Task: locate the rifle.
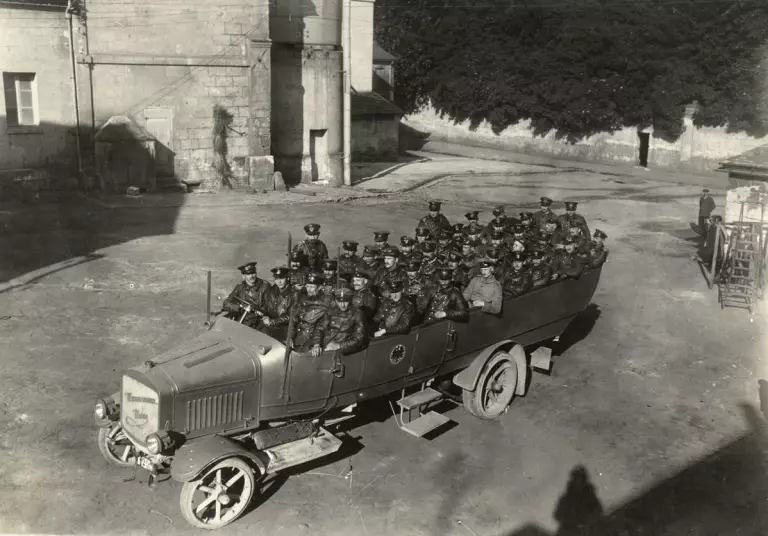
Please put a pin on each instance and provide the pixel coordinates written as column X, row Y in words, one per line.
column 338, row 268
column 287, row 358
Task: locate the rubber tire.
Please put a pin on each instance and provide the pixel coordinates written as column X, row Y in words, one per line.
column 473, row 399
column 188, row 490
column 103, row 432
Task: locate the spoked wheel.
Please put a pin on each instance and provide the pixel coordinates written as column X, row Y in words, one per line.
column 495, row 388
column 220, row 496
column 116, row 447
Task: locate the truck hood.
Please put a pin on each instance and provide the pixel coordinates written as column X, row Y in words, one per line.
column 227, row 353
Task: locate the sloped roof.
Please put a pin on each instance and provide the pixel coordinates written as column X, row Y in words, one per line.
column 371, row 103
column 754, row 159
column 121, row 128
column 379, row 54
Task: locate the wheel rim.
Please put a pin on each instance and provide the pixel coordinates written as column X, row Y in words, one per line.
column 498, row 388
column 221, row 495
column 119, row 447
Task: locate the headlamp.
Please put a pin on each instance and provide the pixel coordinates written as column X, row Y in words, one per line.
column 158, row 442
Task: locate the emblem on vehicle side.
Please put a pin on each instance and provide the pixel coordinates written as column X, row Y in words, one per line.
column 397, row 354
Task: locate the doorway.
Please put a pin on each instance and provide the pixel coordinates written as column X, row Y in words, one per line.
column 317, row 147
column 645, row 142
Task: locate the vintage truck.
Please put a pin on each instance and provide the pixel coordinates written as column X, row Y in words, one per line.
column 230, row 406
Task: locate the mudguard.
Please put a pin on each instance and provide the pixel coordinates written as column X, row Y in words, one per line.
column 467, row 378
column 193, row 458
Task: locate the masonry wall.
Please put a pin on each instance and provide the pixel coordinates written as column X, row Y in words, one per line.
column 361, row 46
column 38, row 42
column 697, row 149
column 375, row 138
column 169, row 66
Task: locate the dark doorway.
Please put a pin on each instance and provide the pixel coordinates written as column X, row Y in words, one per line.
column 645, row 141
column 316, row 145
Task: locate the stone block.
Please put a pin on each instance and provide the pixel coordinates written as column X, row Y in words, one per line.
column 260, row 172
column 278, row 182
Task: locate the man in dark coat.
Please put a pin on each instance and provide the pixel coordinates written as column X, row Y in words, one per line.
column 330, row 272
column 312, row 247
column 457, row 235
column 530, row 230
column 299, row 270
column 391, row 271
column 416, row 288
column 407, row 251
column 706, row 207
column 499, row 222
column 597, row 251
column 545, row 213
column 381, row 240
column 344, row 328
column 279, row 301
column 518, row 279
column 434, row 222
column 395, row 315
column 251, row 289
column 541, row 271
column 567, row 264
column 422, row 237
column 571, row 218
column 349, row 261
column 309, row 313
column 473, row 227
column 363, row 298
column 371, row 261
column 446, row 300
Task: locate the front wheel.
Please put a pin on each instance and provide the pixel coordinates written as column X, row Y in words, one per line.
column 220, row 496
column 495, row 388
column 115, row 446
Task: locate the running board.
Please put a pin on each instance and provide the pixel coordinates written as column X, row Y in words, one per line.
column 425, row 424
column 302, row 451
column 541, row 359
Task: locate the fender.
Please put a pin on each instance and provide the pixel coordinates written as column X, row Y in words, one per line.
column 199, row 454
column 467, row 378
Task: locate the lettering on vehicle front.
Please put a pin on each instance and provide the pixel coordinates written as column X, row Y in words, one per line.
column 144, row 399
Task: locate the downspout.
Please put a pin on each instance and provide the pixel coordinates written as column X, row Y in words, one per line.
column 346, row 49
column 70, row 7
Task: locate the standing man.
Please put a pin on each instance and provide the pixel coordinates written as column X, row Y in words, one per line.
column 545, row 213
column 371, row 261
column 381, row 240
column 252, row 289
column 434, row 222
column 312, row 247
column 395, row 315
column 706, row 207
column 407, row 252
column 485, row 290
column 571, row 218
column 279, row 300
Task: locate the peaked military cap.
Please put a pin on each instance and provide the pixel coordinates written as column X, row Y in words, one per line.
column 518, row 256
column 526, row 215
column 380, row 236
column 349, row 245
column 568, row 240
column 312, row 228
column 444, row 274
column 444, row 235
column 430, row 247
column 498, row 211
column 453, row 257
column 600, row 234
column 330, row 265
column 472, row 216
column 493, row 254
column 370, row 251
column 474, row 240
column 360, row 273
column 546, row 201
column 395, row 286
column 343, row 294
column 422, row 231
column 389, row 251
column 248, row 268
column 705, row 190
column 499, row 224
column 497, row 234
column 485, row 263
column 407, row 241
column 537, row 255
column 413, row 265
column 280, row 272
column 457, row 227
column 315, row 279
column 571, row 205
column 434, row 205
column 518, row 229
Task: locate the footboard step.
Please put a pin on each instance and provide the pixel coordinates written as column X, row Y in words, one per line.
column 541, row 359
column 419, row 399
column 425, row 424
column 302, row 451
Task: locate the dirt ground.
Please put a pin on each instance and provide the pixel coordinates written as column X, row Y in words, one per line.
column 646, row 426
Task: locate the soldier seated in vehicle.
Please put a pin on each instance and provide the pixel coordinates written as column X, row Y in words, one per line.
column 496, row 241
column 434, row 222
column 543, row 246
column 345, row 325
column 484, row 290
column 330, row 273
column 407, row 251
column 566, row 264
column 416, row 288
column 530, row 229
column 541, row 271
column 545, row 213
column 279, row 300
column 422, row 237
column 363, row 298
column 549, row 232
column 443, row 243
column 381, row 240
column 457, row 235
column 391, row 271
column 461, row 276
column 349, row 261
column 371, row 261
column 572, row 218
column 299, row 270
column 517, row 242
column 395, row 314
column 582, row 244
column 445, row 300
column 597, row 251
column 309, row 313
column 500, row 222
column 518, row 279
column 312, row 247
column 251, row 289
column 473, row 228
column 429, row 263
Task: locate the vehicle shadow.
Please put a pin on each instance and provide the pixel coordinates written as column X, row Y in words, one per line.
column 579, row 328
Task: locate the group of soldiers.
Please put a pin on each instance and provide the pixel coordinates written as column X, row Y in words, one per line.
column 321, row 304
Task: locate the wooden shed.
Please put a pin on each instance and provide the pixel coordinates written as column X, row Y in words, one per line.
column 125, row 156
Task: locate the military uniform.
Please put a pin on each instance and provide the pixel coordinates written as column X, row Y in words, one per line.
column 487, row 289
column 500, row 222
column 309, row 317
column 566, row 265
column 543, row 245
column 446, row 298
column 416, row 289
column 253, row 293
column 385, row 276
column 372, row 266
column 298, row 277
column 345, row 328
column 314, row 249
column 434, row 224
column 541, row 274
column 598, row 254
column 395, row 317
column 571, row 218
column 518, row 282
column 540, row 217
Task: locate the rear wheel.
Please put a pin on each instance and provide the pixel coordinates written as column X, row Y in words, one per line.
column 495, row 388
column 220, row 496
column 115, row 446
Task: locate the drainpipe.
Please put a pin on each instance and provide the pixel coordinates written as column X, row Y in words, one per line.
column 346, row 49
column 75, row 86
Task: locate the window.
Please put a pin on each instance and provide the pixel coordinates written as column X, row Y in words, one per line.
column 20, row 99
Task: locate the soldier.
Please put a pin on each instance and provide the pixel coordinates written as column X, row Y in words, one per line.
column 363, row 298
column 429, row 263
column 499, row 221
column 299, row 270
column 391, row 271
column 434, row 222
column 309, row 313
column 453, row 263
column 706, row 207
column 473, row 227
column 407, row 251
column 251, row 289
column 530, row 231
column 381, row 240
column 541, row 271
column 345, row 327
column 566, row 264
column 544, row 247
column 544, row 215
column 312, row 247
column 474, row 233
column 395, row 315
column 597, row 252
column 549, row 233
column 279, row 301
column 582, row 244
column 349, row 261
column 518, row 280
column 446, row 300
column 371, row 261
column 443, row 243
column 422, row 236
column 416, row 288
column 499, row 261
column 517, row 242
column 484, row 290
column 330, row 271
column 457, row 233
column 571, row 217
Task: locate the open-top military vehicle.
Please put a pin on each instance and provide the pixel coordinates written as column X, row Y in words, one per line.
column 230, row 406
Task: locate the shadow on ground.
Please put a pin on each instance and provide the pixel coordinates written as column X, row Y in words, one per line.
column 723, row 494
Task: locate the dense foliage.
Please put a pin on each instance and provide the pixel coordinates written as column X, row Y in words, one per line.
column 579, row 67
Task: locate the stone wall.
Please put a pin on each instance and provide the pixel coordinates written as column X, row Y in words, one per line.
column 375, row 138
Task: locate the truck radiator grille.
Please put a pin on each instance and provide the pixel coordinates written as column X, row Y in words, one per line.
column 214, row 410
